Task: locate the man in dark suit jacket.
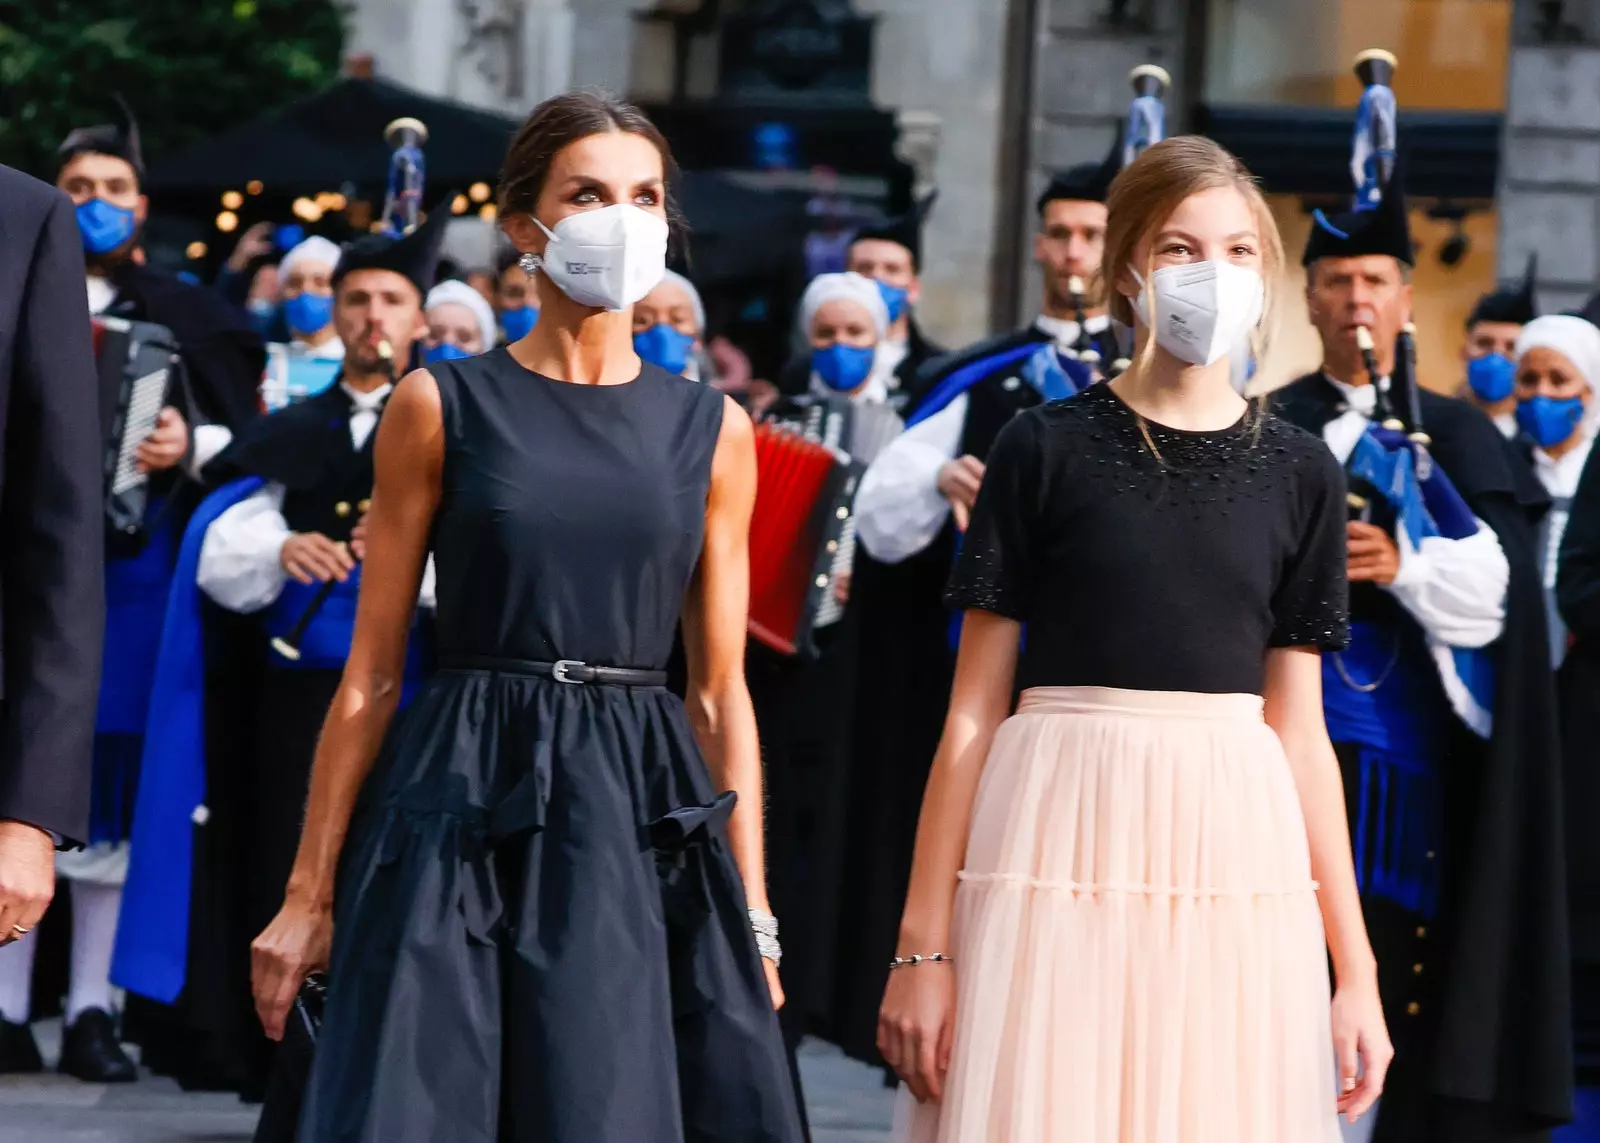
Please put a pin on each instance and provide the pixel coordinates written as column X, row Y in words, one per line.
column 52, row 602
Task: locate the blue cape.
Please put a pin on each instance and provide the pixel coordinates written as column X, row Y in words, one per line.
column 153, row 935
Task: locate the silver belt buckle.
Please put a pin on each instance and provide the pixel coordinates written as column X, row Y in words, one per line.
column 559, row 669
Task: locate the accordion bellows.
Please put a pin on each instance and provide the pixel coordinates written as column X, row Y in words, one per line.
column 803, row 494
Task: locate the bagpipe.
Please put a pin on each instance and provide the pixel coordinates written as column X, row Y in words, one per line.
column 1392, row 480
column 138, row 369
column 1145, row 127
column 402, row 213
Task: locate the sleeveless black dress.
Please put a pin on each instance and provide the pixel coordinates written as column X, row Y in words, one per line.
column 540, row 933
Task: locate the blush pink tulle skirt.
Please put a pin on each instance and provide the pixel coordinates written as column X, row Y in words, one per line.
column 1139, row 953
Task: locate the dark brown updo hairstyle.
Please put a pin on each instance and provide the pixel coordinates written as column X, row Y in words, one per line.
column 565, row 119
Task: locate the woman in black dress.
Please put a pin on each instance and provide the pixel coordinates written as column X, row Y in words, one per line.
column 540, row 929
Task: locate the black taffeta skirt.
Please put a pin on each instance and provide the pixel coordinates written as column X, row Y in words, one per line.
column 540, row 934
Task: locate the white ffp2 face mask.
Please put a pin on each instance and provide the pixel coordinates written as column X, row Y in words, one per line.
column 1202, row 309
column 608, row 258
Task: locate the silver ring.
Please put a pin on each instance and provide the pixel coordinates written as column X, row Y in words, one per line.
column 20, row 931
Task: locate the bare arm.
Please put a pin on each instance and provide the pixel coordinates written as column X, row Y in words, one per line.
column 980, row 700
column 408, row 463
column 408, row 458
column 1293, row 694
column 714, row 621
column 917, row 1019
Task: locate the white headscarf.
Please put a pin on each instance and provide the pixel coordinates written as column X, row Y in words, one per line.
column 825, row 288
column 695, row 303
column 1575, row 338
column 457, row 293
column 313, row 249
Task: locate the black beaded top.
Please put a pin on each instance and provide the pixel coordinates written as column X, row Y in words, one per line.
column 1169, row 572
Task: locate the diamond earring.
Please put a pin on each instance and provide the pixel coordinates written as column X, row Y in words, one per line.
column 528, row 263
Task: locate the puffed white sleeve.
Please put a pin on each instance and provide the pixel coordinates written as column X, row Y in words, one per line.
column 899, row 509
column 1456, row 589
column 239, row 566
column 207, row 442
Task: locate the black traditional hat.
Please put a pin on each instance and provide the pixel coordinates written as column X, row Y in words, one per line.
column 1516, row 306
column 1384, row 229
column 904, row 229
column 120, row 139
column 414, row 256
column 1087, row 182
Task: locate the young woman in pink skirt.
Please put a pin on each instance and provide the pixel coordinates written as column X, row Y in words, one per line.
column 1115, row 927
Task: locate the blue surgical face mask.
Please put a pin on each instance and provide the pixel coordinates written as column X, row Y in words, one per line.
column 896, row 298
column 104, row 226
column 518, row 320
column 1492, row 377
column 308, row 313
column 1549, row 420
column 664, row 346
column 843, row 367
column 444, row 351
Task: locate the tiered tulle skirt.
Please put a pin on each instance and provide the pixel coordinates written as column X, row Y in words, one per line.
column 1139, row 953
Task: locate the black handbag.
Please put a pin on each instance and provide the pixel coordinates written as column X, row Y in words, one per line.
column 291, row 1070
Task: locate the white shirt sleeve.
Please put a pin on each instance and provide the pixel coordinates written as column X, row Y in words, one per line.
column 239, row 566
column 899, row 509
column 428, row 594
column 208, row 441
column 1456, row 589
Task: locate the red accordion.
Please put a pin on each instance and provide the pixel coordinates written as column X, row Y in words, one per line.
column 801, row 522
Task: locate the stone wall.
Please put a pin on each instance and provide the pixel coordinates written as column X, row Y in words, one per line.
column 1081, row 90
column 1549, row 193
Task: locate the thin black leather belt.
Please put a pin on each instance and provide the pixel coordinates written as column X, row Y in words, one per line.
column 562, row 670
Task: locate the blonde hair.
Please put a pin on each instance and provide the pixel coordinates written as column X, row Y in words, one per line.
column 1147, row 193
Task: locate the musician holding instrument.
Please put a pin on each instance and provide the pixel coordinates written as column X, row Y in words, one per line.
column 178, row 359
column 1442, row 709
column 1489, row 352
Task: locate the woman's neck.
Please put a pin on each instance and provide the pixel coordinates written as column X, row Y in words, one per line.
column 580, row 344
column 1194, row 398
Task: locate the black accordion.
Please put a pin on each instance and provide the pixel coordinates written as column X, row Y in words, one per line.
column 137, row 363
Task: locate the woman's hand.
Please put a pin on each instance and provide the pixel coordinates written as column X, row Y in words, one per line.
column 1361, row 1046
column 774, row 985
column 294, row 945
column 916, row 1024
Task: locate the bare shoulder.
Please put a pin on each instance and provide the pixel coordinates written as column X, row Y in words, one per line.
column 737, row 428
column 415, row 403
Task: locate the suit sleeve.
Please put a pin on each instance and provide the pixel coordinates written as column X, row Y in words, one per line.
column 52, row 596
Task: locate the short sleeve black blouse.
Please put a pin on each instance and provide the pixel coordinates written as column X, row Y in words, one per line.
column 1169, row 572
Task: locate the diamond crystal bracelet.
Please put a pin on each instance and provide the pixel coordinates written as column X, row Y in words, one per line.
column 765, row 927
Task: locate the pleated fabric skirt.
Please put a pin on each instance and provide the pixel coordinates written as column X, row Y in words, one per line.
column 1139, row 952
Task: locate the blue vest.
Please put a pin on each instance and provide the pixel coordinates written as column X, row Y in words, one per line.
column 1382, row 695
